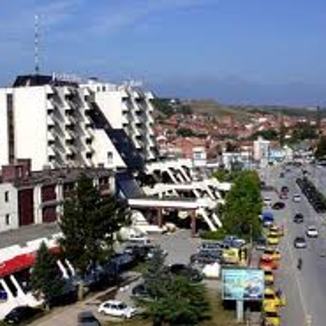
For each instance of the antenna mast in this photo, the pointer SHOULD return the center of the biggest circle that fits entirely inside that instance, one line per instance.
(36, 45)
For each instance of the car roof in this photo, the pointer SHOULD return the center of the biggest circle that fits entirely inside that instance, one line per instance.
(113, 301)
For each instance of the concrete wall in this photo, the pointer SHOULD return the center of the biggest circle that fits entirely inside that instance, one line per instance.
(30, 117)
(3, 128)
(103, 146)
(8, 207)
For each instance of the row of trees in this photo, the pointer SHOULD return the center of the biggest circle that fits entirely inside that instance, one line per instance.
(88, 224)
(240, 214)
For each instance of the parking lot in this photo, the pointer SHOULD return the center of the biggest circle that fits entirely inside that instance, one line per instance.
(179, 246)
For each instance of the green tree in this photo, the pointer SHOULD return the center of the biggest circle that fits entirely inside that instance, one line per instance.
(185, 132)
(303, 131)
(243, 206)
(320, 152)
(174, 300)
(269, 134)
(88, 224)
(46, 278)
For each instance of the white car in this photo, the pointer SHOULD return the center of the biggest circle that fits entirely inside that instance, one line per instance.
(138, 239)
(312, 232)
(117, 309)
(296, 198)
(267, 201)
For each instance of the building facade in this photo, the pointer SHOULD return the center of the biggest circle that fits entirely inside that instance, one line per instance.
(36, 197)
(60, 123)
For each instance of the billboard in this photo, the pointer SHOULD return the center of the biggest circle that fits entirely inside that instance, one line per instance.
(242, 284)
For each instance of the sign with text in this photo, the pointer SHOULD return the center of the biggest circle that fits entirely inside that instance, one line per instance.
(242, 284)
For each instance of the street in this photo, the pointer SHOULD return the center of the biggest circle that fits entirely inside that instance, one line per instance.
(305, 290)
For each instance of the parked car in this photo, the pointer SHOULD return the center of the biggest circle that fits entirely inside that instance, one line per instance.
(312, 231)
(117, 308)
(298, 218)
(206, 257)
(86, 318)
(300, 242)
(187, 271)
(21, 314)
(139, 291)
(211, 245)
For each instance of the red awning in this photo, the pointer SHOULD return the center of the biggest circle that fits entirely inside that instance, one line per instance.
(21, 262)
(16, 264)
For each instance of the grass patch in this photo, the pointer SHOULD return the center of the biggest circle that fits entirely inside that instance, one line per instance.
(219, 316)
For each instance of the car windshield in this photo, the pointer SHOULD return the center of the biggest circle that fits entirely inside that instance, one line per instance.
(312, 228)
(271, 314)
(121, 306)
(269, 296)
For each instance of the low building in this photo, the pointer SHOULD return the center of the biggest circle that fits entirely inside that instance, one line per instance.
(28, 197)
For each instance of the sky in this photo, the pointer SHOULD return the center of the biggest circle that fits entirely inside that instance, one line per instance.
(234, 51)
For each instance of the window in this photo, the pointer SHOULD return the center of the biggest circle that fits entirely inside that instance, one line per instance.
(6, 196)
(7, 219)
(110, 158)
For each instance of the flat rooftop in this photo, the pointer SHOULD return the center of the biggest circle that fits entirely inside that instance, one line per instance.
(28, 233)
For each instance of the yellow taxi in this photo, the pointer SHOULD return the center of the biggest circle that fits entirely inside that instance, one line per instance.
(273, 239)
(276, 230)
(269, 277)
(272, 318)
(272, 299)
(271, 253)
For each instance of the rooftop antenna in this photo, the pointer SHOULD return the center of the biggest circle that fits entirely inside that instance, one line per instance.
(36, 45)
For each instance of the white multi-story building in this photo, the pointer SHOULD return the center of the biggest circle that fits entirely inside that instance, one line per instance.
(127, 107)
(60, 123)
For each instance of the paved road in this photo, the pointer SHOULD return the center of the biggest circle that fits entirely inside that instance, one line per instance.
(305, 289)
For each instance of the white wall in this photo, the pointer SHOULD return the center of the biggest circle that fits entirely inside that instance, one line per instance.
(110, 103)
(30, 116)
(10, 207)
(102, 145)
(3, 128)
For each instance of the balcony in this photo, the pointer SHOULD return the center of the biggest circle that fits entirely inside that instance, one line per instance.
(50, 136)
(50, 120)
(50, 151)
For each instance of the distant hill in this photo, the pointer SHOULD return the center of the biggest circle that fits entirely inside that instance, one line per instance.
(242, 112)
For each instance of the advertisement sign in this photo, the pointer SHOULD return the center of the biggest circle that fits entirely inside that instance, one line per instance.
(242, 284)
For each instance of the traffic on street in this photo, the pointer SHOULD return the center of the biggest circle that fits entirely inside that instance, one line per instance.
(301, 275)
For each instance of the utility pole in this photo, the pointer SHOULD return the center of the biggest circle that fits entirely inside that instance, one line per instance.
(36, 45)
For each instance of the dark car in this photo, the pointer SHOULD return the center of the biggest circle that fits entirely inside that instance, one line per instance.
(20, 315)
(300, 242)
(86, 318)
(261, 243)
(206, 257)
(278, 205)
(139, 291)
(285, 189)
(186, 271)
(298, 218)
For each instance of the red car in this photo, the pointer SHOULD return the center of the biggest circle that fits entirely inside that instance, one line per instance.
(268, 264)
